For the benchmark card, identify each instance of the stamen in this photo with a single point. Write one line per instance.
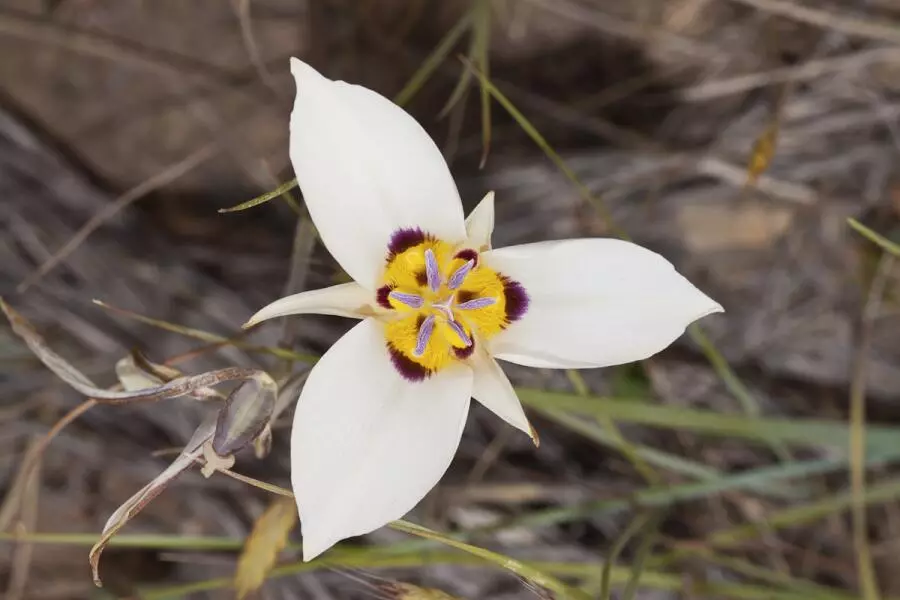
(432, 270)
(477, 303)
(444, 307)
(458, 329)
(410, 300)
(424, 336)
(459, 275)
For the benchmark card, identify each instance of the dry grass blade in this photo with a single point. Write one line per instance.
(828, 20)
(407, 591)
(242, 8)
(267, 538)
(164, 177)
(865, 568)
(206, 336)
(192, 451)
(22, 499)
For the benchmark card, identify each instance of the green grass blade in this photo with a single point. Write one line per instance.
(665, 460)
(282, 189)
(434, 60)
(887, 491)
(809, 432)
(637, 524)
(731, 381)
(521, 569)
(883, 242)
(651, 533)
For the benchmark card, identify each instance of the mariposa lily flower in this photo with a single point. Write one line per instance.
(381, 415)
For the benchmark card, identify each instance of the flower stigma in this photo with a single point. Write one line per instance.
(443, 301)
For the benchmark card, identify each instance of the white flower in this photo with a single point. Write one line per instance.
(382, 412)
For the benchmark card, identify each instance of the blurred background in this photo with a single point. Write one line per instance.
(734, 136)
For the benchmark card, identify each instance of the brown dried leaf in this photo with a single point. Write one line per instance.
(136, 372)
(134, 505)
(266, 540)
(75, 378)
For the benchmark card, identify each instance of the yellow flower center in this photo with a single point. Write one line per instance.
(443, 300)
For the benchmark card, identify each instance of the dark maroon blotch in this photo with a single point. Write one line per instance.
(464, 353)
(463, 296)
(381, 296)
(404, 239)
(421, 278)
(467, 254)
(516, 299)
(408, 369)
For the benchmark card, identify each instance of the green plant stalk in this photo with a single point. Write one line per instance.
(521, 569)
(612, 556)
(434, 60)
(876, 238)
(596, 433)
(645, 548)
(809, 432)
(619, 441)
(578, 570)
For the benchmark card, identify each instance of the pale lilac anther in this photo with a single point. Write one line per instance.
(432, 271)
(460, 332)
(476, 303)
(424, 335)
(410, 300)
(459, 275)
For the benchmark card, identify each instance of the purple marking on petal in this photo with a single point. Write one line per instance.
(458, 329)
(464, 296)
(425, 331)
(464, 353)
(411, 300)
(467, 254)
(516, 299)
(409, 369)
(459, 275)
(404, 239)
(432, 270)
(381, 296)
(477, 303)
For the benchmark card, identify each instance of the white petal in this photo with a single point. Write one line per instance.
(480, 223)
(344, 300)
(594, 302)
(366, 169)
(367, 445)
(492, 388)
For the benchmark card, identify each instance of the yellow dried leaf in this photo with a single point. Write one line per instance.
(763, 152)
(407, 591)
(266, 540)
